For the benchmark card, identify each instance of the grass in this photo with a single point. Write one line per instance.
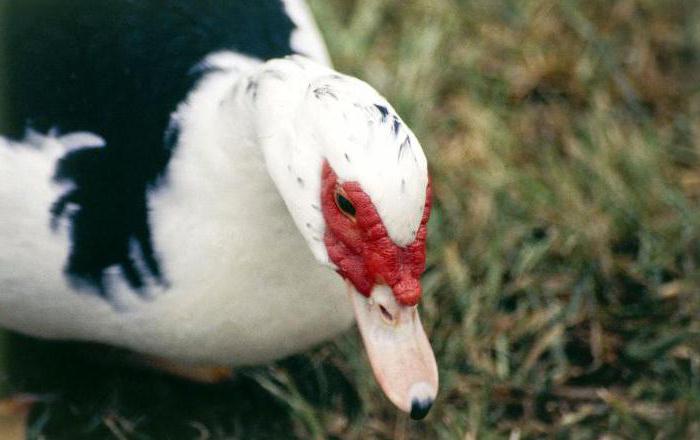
(562, 294)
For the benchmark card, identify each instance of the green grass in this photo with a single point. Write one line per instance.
(562, 295)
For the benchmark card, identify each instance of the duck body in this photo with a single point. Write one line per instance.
(175, 180)
(128, 216)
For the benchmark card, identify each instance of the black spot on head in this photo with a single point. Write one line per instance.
(347, 157)
(405, 145)
(382, 110)
(316, 207)
(324, 90)
(396, 126)
(300, 181)
(403, 185)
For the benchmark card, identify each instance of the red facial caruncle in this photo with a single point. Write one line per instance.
(359, 245)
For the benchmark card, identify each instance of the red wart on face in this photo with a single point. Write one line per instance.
(359, 245)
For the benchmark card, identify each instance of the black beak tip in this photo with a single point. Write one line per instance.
(420, 408)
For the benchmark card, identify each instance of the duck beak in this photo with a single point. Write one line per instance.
(398, 349)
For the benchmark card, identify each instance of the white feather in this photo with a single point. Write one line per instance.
(306, 39)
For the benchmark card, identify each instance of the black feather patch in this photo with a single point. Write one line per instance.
(119, 68)
(383, 110)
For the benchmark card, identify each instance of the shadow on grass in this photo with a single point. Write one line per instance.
(90, 391)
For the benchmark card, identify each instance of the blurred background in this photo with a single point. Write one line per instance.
(562, 295)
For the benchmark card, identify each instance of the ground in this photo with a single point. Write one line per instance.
(562, 294)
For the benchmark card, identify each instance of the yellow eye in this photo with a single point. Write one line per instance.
(345, 205)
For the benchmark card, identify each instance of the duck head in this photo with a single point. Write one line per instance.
(355, 180)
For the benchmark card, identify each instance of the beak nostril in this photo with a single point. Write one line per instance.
(386, 314)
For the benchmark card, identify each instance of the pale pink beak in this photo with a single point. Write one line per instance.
(398, 349)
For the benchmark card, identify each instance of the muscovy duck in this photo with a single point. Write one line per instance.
(177, 178)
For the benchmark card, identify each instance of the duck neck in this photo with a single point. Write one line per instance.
(264, 113)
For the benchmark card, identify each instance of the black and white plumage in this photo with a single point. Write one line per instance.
(160, 181)
(123, 86)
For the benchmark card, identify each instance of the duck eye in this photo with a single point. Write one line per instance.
(345, 205)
